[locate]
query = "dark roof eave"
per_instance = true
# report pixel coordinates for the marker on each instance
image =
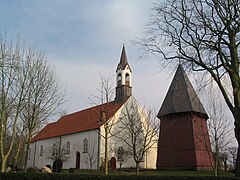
(204, 115)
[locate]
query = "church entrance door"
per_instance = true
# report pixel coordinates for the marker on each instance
(113, 163)
(78, 160)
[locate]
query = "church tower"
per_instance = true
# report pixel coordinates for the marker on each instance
(183, 138)
(123, 78)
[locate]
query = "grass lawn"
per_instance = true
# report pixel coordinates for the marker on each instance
(151, 173)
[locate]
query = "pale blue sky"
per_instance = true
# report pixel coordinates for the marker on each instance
(84, 38)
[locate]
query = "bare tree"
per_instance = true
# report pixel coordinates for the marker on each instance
(123, 154)
(29, 91)
(12, 93)
(106, 95)
(138, 132)
(220, 129)
(91, 156)
(44, 96)
(205, 36)
(19, 151)
(58, 150)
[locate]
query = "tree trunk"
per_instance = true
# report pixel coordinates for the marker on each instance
(238, 162)
(3, 167)
(216, 166)
(106, 151)
(216, 169)
(137, 168)
(15, 159)
(26, 156)
(237, 134)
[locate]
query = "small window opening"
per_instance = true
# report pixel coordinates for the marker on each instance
(68, 148)
(127, 80)
(85, 146)
(41, 150)
(119, 79)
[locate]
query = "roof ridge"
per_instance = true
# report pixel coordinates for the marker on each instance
(89, 108)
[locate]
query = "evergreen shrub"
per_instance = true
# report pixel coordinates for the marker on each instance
(57, 165)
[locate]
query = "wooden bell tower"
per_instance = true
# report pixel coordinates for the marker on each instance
(183, 138)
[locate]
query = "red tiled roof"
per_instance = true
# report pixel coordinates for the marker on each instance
(83, 120)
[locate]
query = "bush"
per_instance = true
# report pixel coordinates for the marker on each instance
(57, 165)
(71, 170)
(33, 170)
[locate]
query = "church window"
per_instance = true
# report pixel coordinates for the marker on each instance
(127, 80)
(120, 154)
(54, 149)
(68, 148)
(85, 145)
(119, 79)
(41, 150)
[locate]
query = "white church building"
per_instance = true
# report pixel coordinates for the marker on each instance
(79, 137)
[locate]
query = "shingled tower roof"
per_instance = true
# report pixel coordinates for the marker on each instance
(181, 97)
(123, 60)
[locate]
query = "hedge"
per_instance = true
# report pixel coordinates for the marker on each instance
(61, 176)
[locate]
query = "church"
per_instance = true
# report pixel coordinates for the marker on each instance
(78, 138)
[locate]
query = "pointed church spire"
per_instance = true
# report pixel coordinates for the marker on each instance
(181, 97)
(123, 59)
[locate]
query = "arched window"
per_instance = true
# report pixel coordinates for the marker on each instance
(119, 79)
(54, 149)
(41, 150)
(68, 148)
(120, 153)
(85, 145)
(127, 80)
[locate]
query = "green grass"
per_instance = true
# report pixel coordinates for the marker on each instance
(151, 173)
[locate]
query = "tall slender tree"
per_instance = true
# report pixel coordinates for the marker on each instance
(13, 87)
(44, 96)
(29, 93)
(220, 130)
(105, 97)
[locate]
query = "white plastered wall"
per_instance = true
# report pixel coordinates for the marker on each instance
(114, 143)
(76, 145)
